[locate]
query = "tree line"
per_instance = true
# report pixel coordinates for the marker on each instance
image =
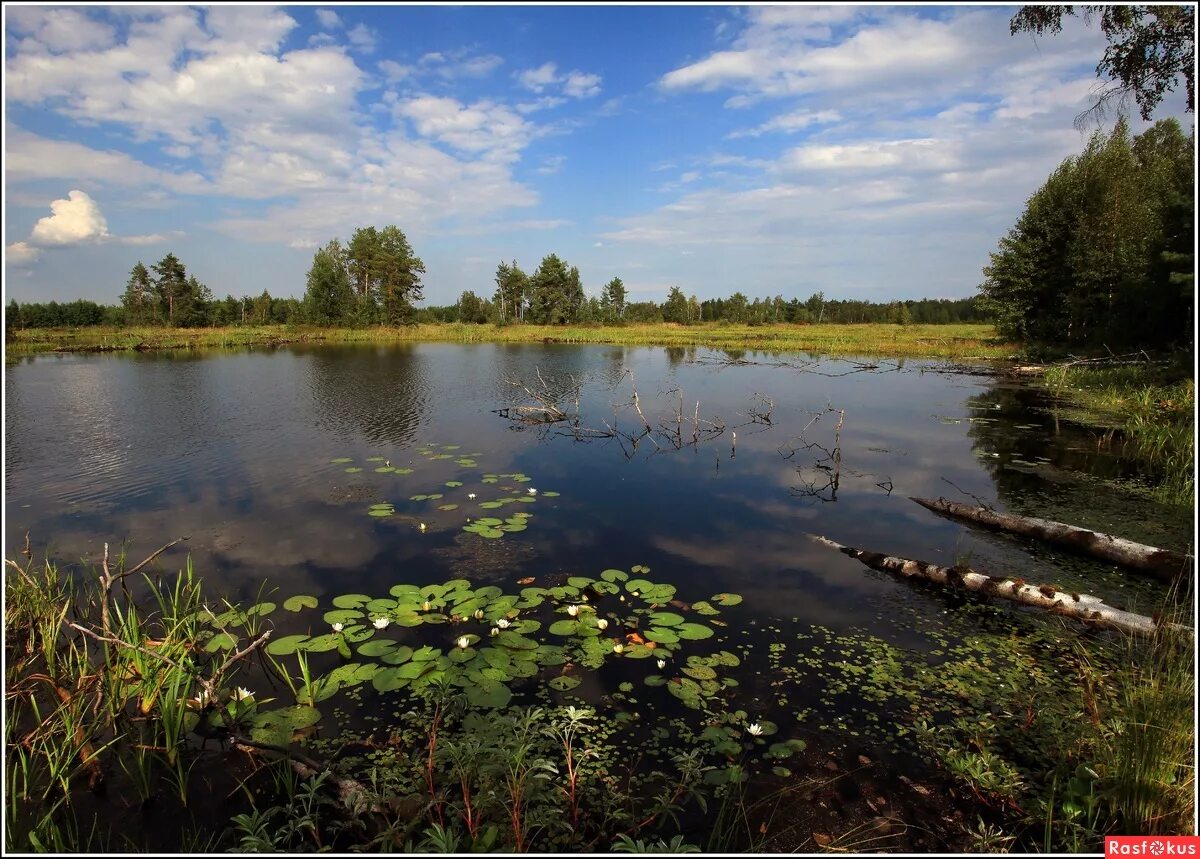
(1103, 254)
(375, 278)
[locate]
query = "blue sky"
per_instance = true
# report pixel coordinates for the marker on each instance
(870, 152)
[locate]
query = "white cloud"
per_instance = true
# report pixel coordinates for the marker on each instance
(328, 19)
(540, 78)
(152, 239)
(788, 123)
(459, 63)
(363, 37)
(21, 254)
(580, 85)
(394, 71)
(572, 84)
(552, 165)
(61, 29)
(481, 127)
(73, 221)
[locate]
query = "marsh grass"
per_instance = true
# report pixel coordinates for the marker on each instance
(958, 342)
(1151, 407)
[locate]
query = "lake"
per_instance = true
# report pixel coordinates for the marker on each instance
(327, 471)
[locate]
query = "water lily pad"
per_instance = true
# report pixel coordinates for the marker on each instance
(614, 575)
(489, 694)
(661, 636)
(287, 645)
(300, 601)
(397, 655)
(693, 631)
(491, 505)
(699, 672)
(550, 494)
(220, 641)
(453, 483)
(384, 469)
(704, 608)
(354, 469)
(655, 680)
(389, 679)
(380, 514)
(564, 627)
(665, 618)
(727, 599)
(376, 648)
(341, 460)
(404, 471)
(375, 459)
(351, 600)
(323, 643)
(447, 507)
(564, 683)
(343, 615)
(782, 772)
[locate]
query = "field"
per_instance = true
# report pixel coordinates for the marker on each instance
(917, 341)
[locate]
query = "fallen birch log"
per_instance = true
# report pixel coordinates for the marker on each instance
(1089, 609)
(1138, 556)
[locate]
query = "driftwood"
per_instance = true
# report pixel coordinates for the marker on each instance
(1089, 609)
(1160, 562)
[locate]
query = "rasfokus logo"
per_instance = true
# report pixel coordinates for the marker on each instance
(1152, 846)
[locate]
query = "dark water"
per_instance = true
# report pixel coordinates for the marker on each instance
(234, 451)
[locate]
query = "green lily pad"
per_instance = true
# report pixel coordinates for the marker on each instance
(564, 627)
(376, 648)
(354, 469)
(341, 460)
(665, 618)
(693, 631)
(662, 636)
(614, 575)
(550, 494)
(398, 655)
(389, 679)
(727, 599)
(564, 683)
(384, 469)
(447, 507)
(380, 514)
(699, 672)
(343, 615)
(375, 459)
(453, 484)
(655, 680)
(220, 641)
(287, 645)
(404, 471)
(351, 600)
(299, 602)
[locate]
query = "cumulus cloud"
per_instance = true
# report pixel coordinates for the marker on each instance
(790, 123)
(73, 221)
(546, 78)
(363, 37)
(21, 254)
(328, 19)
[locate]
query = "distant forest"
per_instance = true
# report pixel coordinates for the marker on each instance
(345, 290)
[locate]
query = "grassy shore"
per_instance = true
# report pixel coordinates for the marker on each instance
(917, 341)
(1151, 405)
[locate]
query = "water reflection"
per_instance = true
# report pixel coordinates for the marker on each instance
(234, 450)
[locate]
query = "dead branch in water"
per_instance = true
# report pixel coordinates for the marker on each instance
(1084, 607)
(544, 409)
(1137, 556)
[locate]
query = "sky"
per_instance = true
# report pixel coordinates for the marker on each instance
(874, 152)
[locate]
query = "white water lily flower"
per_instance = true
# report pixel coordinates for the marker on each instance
(754, 729)
(241, 693)
(532, 491)
(636, 594)
(381, 622)
(479, 614)
(338, 627)
(471, 495)
(495, 631)
(503, 623)
(573, 610)
(427, 606)
(201, 700)
(662, 663)
(601, 623)
(463, 642)
(617, 648)
(422, 526)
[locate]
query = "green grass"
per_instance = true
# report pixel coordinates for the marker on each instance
(1152, 405)
(917, 341)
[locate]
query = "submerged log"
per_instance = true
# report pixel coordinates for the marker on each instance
(1161, 562)
(1089, 609)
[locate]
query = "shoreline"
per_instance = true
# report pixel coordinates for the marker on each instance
(956, 341)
